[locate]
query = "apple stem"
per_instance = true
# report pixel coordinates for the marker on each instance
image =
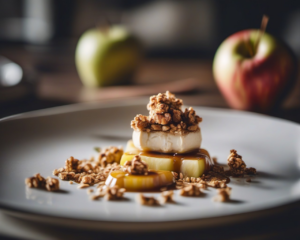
(264, 23)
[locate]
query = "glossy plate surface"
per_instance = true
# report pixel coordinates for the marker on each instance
(41, 141)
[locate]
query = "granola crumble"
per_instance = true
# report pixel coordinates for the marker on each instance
(190, 190)
(236, 165)
(52, 184)
(167, 197)
(148, 201)
(136, 166)
(37, 181)
(110, 155)
(92, 171)
(165, 115)
(223, 195)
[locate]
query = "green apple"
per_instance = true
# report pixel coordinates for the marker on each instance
(254, 79)
(107, 56)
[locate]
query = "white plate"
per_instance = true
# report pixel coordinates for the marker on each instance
(41, 141)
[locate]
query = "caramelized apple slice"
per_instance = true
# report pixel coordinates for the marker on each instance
(153, 181)
(192, 164)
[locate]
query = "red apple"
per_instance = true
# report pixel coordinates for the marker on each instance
(254, 80)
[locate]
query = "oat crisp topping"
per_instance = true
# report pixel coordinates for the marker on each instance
(190, 190)
(136, 166)
(223, 195)
(165, 114)
(37, 181)
(148, 201)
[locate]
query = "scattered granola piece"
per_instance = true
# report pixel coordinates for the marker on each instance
(190, 190)
(114, 193)
(37, 181)
(214, 179)
(52, 184)
(136, 166)
(167, 197)
(110, 155)
(248, 180)
(148, 201)
(250, 171)
(223, 195)
(71, 182)
(163, 189)
(236, 165)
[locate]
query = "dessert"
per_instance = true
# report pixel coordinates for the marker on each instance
(168, 139)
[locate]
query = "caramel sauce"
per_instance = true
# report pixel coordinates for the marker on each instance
(198, 154)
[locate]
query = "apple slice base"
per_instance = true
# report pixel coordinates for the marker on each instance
(140, 183)
(192, 164)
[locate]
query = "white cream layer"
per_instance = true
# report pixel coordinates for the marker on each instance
(167, 142)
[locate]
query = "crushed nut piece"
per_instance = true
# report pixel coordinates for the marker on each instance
(110, 155)
(52, 184)
(223, 195)
(148, 201)
(36, 182)
(136, 166)
(236, 164)
(248, 180)
(114, 193)
(167, 197)
(190, 190)
(71, 182)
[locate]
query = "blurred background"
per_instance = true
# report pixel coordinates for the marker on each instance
(38, 40)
